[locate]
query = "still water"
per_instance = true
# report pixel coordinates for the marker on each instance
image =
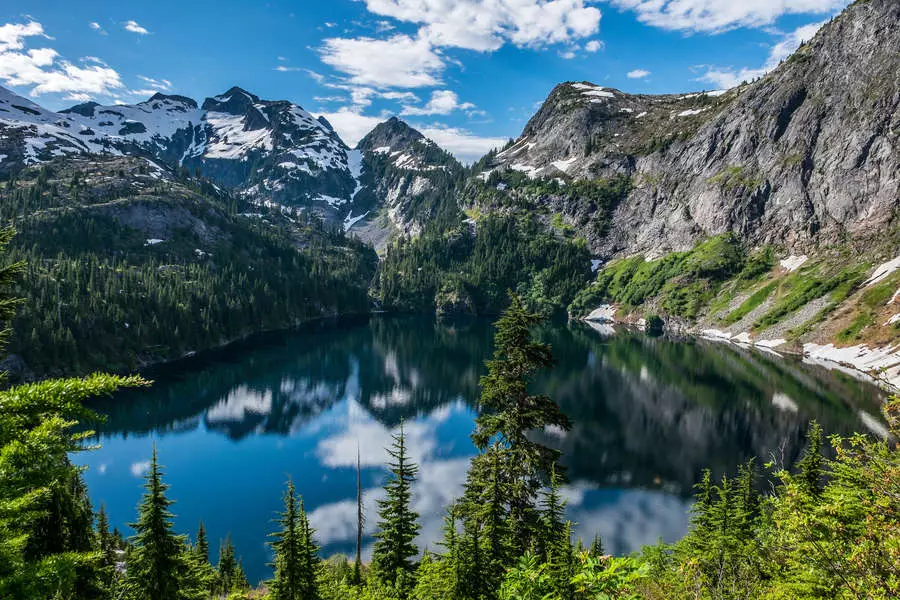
(649, 415)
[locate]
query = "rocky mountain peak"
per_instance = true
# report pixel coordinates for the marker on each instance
(85, 109)
(189, 103)
(393, 134)
(236, 101)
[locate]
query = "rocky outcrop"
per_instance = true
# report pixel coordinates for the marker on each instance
(807, 156)
(405, 180)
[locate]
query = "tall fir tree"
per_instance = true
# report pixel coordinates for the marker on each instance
(509, 413)
(296, 554)
(202, 546)
(158, 567)
(810, 465)
(395, 549)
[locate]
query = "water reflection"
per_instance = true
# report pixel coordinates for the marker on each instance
(648, 416)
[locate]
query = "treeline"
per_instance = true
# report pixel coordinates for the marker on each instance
(103, 297)
(456, 271)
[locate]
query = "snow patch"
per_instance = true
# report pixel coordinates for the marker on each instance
(603, 313)
(690, 112)
(153, 242)
(784, 402)
(892, 320)
(563, 165)
(792, 263)
(877, 363)
(883, 272)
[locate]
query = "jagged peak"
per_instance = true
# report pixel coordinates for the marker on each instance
(394, 133)
(159, 97)
(235, 101)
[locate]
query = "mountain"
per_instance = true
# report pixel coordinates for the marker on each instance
(808, 155)
(405, 181)
(131, 262)
(766, 214)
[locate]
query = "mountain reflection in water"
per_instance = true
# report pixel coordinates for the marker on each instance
(648, 416)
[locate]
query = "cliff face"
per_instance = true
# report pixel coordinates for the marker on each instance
(805, 157)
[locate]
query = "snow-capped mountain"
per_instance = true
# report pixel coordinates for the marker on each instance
(404, 180)
(271, 151)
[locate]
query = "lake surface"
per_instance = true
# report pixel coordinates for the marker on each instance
(649, 415)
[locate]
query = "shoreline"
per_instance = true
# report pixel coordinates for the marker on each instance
(857, 361)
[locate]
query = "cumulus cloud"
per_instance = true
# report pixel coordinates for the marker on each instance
(44, 71)
(712, 16)
(593, 46)
(400, 61)
(726, 77)
(350, 123)
(442, 102)
(464, 145)
(133, 27)
(97, 27)
(487, 24)
(638, 74)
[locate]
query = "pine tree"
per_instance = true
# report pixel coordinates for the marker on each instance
(509, 413)
(226, 568)
(811, 463)
(157, 567)
(202, 546)
(596, 550)
(296, 555)
(395, 547)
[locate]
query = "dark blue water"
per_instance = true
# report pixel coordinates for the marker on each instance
(649, 415)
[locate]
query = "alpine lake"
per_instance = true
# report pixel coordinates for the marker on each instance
(648, 416)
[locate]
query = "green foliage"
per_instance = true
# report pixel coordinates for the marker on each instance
(507, 252)
(100, 298)
(681, 283)
(751, 303)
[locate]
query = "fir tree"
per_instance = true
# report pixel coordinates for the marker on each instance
(157, 565)
(395, 550)
(509, 413)
(296, 555)
(226, 569)
(811, 463)
(202, 546)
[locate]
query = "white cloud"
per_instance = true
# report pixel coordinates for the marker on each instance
(721, 15)
(464, 145)
(443, 102)
(486, 24)
(133, 27)
(399, 61)
(593, 46)
(139, 469)
(44, 71)
(725, 77)
(97, 27)
(567, 55)
(350, 124)
(638, 74)
(162, 85)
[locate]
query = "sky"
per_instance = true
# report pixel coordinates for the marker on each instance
(467, 73)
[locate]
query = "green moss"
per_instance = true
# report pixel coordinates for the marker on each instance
(751, 303)
(852, 332)
(735, 177)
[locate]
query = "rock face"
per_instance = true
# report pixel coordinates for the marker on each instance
(404, 181)
(806, 156)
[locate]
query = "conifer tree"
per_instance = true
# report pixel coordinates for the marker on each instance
(157, 566)
(395, 548)
(596, 550)
(811, 463)
(226, 568)
(202, 546)
(510, 412)
(296, 555)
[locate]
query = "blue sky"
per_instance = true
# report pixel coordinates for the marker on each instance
(469, 73)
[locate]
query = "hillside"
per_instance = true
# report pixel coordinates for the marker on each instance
(129, 263)
(764, 214)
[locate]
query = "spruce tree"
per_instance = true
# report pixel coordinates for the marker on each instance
(296, 555)
(157, 567)
(811, 463)
(509, 413)
(202, 546)
(395, 548)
